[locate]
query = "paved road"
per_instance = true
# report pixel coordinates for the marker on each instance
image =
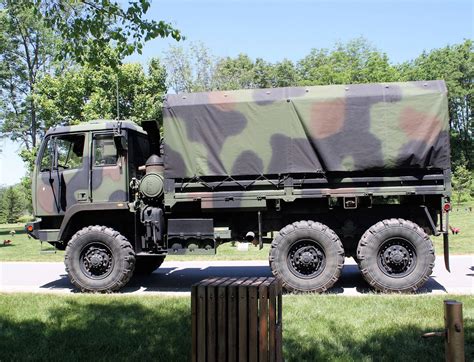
(177, 277)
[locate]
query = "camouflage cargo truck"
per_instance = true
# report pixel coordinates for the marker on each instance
(358, 171)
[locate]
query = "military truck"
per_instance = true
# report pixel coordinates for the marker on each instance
(359, 171)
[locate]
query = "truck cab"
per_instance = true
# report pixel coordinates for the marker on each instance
(81, 171)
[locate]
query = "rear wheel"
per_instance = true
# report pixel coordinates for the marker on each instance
(307, 256)
(395, 255)
(148, 264)
(99, 259)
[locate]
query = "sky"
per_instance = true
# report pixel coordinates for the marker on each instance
(278, 29)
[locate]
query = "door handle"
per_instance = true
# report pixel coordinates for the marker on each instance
(80, 195)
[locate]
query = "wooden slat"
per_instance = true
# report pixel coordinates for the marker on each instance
(253, 319)
(272, 321)
(201, 319)
(212, 319)
(201, 322)
(222, 319)
(194, 297)
(233, 312)
(263, 321)
(279, 327)
(243, 320)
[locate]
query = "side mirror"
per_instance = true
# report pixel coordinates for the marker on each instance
(121, 143)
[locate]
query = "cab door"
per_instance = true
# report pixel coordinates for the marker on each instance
(108, 170)
(62, 174)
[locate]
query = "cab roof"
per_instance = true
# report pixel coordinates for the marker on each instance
(96, 125)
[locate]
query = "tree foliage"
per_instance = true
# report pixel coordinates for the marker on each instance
(27, 49)
(462, 183)
(85, 93)
(356, 61)
(190, 69)
(12, 205)
(89, 26)
(41, 38)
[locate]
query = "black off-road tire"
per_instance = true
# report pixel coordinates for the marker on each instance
(148, 264)
(312, 234)
(112, 247)
(408, 275)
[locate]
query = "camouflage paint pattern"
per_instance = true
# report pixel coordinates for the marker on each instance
(307, 129)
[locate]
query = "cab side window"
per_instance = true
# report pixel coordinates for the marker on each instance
(70, 150)
(105, 152)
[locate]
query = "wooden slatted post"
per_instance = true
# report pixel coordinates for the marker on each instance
(237, 319)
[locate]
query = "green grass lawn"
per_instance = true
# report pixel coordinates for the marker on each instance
(24, 249)
(315, 327)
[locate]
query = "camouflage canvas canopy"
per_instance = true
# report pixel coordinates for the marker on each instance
(307, 129)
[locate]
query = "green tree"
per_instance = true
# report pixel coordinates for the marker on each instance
(285, 74)
(12, 205)
(89, 26)
(85, 93)
(190, 69)
(461, 182)
(27, 49)
(235, 73)
(263, 74)
(356, 61)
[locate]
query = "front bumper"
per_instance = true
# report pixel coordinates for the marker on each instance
(33, 229)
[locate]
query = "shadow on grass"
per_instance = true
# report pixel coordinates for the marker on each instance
(340, 342)
(100, 331)
(159, 330)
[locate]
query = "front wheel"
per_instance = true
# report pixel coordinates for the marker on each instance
(99, 259)
(395, 255)
(307, 256)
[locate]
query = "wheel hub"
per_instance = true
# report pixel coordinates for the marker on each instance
(306, 259)
(96, 261)
(397, 257)
(396, 254)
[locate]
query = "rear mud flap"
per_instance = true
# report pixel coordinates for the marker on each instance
(446, 250)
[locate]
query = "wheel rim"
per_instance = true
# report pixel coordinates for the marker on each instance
(306, 259)
(96, 260)
(396, 257)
